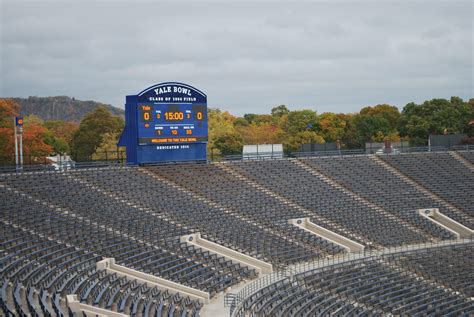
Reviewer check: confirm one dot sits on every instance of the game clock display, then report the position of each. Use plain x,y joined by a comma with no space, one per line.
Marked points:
171,123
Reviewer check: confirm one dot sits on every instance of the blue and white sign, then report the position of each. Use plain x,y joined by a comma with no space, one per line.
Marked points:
19,121
166,122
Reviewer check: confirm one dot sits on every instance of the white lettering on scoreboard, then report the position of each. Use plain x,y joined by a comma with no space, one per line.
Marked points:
175,89
172,147
173,99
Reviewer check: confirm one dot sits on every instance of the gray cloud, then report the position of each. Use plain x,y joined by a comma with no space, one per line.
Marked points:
248,57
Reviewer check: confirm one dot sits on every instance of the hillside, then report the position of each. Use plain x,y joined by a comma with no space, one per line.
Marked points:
61,108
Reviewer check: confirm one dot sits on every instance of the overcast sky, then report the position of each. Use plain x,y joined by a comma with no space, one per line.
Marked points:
247,57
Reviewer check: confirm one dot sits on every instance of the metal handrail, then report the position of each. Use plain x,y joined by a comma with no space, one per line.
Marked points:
238,158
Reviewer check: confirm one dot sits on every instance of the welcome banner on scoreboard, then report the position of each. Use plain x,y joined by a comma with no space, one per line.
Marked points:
166,114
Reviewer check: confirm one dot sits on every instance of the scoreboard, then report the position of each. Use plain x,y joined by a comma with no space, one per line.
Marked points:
171,123
165,122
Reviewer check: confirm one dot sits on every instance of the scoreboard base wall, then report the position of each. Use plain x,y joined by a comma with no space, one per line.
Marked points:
171,153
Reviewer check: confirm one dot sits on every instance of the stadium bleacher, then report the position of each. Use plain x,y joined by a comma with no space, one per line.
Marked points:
363,176
450,266
467,155
297,184
55,227
240,198
41,271
187,209
175,261
370,286
443,175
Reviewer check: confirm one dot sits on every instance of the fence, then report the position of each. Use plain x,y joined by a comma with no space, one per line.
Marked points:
329,153
394,152
315,147
446,140
36,163
373,147
308,266
254,287
290,271
106,158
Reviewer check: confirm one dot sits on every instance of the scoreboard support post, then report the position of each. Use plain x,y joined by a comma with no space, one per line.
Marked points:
166,122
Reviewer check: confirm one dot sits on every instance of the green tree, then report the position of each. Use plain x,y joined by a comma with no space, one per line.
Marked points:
376,123
435,117
250,117
58,135
229,143
294,142
469,130
220,123
280,111
33,119
91,132
62,129
241,122
58,144
388,112
264,119
107,149
351,138
333,126
302,120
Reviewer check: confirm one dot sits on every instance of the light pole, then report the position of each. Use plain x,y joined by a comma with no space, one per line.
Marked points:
19,126
16,144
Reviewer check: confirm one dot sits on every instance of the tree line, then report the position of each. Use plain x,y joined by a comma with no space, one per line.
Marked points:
89,140
98,132
228,133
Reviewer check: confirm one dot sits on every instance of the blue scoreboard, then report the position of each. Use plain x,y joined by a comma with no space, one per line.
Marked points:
165,122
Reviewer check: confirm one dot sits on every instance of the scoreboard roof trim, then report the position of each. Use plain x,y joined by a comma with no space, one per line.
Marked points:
171,83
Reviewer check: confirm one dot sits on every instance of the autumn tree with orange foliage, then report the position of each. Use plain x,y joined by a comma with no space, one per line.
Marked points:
8,110
60,134
62,129
34,148
265,133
